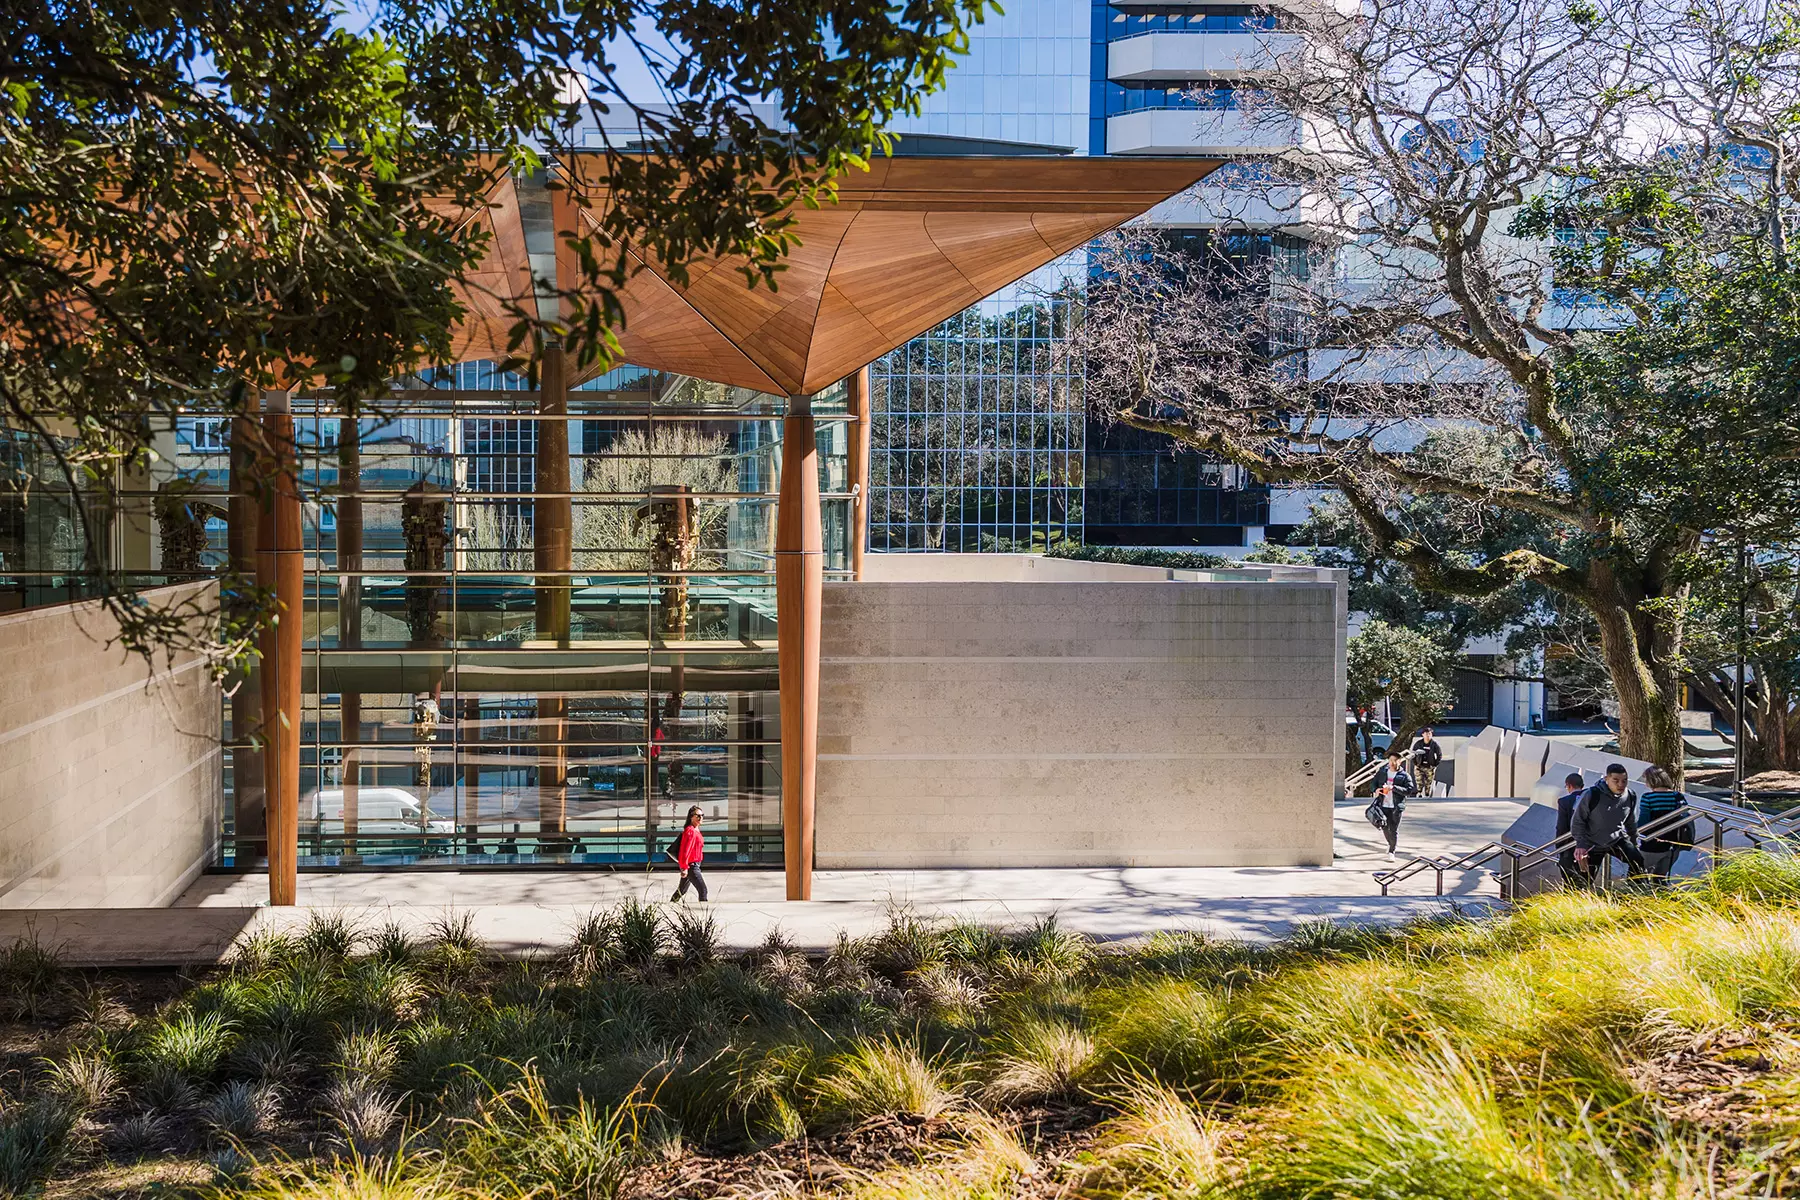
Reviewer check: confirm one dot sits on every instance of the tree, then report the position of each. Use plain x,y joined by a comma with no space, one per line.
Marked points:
207,199
1497,189
1390,662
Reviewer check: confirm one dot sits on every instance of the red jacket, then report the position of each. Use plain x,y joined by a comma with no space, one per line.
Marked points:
689,850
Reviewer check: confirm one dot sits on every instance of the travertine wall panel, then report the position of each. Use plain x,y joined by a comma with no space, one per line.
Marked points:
109,775
1174,719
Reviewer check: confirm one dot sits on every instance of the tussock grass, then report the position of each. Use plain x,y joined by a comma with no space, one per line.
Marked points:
1578,1046
875,1078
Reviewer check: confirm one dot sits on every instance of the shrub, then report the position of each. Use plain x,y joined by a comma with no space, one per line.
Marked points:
881,1078
166,1089
33,1137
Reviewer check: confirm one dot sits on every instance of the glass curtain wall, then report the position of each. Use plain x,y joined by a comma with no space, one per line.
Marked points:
977,433
465,704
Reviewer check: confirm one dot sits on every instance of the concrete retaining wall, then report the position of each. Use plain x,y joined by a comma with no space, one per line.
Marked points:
109,782
1051,715
1504,762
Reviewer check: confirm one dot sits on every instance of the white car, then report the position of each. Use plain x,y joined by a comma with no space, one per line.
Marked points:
378,810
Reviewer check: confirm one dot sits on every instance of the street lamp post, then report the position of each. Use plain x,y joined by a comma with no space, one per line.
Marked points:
1737,702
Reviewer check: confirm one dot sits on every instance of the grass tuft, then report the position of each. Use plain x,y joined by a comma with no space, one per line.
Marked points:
363,1111
241,1110
696,938
876,1078
33,1139
83,1081
641,932
30,978
1040,1058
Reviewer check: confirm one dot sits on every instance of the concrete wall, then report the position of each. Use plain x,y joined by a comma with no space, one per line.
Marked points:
1032,712
1504,762
109,775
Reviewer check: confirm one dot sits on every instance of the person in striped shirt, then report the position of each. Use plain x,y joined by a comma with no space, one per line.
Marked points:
1661,801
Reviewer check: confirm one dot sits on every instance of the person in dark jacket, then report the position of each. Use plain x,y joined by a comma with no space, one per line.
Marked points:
1392,785
1573,786
1427,755
1661,803
688,853
1604,823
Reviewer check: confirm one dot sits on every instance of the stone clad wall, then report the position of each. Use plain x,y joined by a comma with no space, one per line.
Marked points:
109,789
1042,720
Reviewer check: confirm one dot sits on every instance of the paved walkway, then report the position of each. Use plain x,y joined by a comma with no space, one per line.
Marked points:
528,912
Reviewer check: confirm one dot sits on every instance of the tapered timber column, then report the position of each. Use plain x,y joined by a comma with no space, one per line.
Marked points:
861,427
243,514
799,597
280,568
552,542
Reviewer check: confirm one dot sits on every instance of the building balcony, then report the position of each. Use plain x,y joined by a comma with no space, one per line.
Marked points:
1222,133
1191,54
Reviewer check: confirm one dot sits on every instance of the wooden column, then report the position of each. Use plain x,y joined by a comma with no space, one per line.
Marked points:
799,597
243,513
280,568
861,427
552,542
349,561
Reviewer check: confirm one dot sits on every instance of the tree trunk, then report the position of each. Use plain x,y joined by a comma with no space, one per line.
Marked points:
1649,706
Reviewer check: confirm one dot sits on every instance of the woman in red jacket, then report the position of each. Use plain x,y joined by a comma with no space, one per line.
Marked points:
688,853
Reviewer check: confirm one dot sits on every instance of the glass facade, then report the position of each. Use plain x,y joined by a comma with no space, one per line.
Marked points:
1025,79
978,438
478,725
977,433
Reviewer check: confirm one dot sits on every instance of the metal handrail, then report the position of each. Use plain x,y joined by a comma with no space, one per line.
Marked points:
1723,817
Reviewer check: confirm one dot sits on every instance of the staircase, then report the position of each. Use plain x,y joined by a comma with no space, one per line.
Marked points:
1524,870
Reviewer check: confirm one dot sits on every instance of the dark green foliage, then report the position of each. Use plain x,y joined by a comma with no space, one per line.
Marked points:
30,972
1138,556
641,933
33,1138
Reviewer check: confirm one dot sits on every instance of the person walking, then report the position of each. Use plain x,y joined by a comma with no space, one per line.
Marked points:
689,850
1427,754
1659,803
1392,785
1605,824
1573,786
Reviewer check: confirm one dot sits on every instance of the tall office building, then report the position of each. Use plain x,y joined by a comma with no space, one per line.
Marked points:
980,436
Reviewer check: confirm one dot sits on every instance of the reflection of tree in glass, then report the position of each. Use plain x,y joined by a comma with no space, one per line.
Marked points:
422,520
633,468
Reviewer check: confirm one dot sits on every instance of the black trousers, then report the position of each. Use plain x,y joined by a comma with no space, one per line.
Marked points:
1624,851
692,875
1390,826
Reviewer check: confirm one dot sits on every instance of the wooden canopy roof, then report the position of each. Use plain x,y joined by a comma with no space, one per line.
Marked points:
910,243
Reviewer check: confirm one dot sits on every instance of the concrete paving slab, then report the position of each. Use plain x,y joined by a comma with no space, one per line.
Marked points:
534,912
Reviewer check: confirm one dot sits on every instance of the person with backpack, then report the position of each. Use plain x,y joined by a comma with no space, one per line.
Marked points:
1660,803
689,850
1427,756
1605,824
1573,786
1392,785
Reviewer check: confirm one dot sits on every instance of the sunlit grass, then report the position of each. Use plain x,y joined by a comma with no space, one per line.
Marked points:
1506,1056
